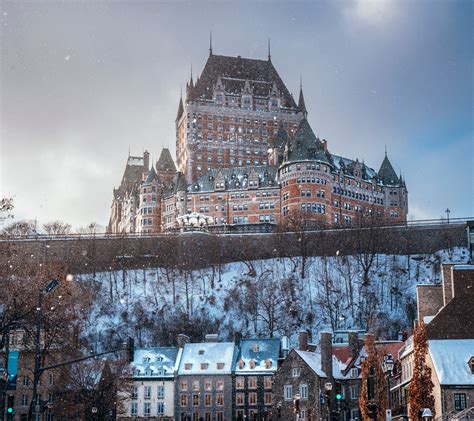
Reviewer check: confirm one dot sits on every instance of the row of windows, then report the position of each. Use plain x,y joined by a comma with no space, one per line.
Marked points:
198,417
160,392
196,399
218,117
252,382
308,193
355,195
299,167
313,208
160,409
204,366
266,218
252,398
147,221
196,385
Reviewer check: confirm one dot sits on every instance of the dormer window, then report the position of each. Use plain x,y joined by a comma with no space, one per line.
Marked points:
204,366
268,363
146,359
354,373
201,352
159,359
220,366
188,366
241,364
471,364
252,363
255,348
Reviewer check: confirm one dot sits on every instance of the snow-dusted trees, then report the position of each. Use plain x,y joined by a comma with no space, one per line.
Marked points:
420,390
373,391
26,227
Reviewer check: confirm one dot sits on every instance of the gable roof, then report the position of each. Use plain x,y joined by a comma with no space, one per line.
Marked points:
234,71
450,359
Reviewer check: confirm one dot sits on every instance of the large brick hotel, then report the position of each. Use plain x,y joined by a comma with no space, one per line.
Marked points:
246,154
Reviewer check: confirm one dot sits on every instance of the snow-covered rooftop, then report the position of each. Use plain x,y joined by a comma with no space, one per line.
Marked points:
154,362
207,358
450,358
258,355
313,359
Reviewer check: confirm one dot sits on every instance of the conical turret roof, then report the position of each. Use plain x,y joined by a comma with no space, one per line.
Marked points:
165,163
387,174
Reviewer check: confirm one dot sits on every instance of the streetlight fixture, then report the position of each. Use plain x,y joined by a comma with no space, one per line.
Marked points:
427,415
36,375
447,211
387,368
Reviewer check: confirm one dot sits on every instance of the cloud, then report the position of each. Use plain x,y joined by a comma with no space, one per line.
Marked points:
371,12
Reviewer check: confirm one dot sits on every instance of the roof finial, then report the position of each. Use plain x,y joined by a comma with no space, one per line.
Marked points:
385,150
191,80
210,42
269,55
129,151
301,83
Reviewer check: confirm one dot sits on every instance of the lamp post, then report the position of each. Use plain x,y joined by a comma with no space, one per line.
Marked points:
36,375
426,414
447,211
387,367
328,388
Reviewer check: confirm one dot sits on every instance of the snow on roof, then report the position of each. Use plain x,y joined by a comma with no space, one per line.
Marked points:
207,358
313,359
261,354
450,358
427,319
154,362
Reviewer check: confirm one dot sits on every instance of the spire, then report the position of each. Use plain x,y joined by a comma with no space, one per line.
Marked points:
180,106
269,54
210,43
301,103
191,80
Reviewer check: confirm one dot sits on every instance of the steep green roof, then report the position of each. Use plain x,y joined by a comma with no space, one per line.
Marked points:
165,163
387,174
305,145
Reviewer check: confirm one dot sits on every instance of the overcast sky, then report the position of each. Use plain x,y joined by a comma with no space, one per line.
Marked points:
81,82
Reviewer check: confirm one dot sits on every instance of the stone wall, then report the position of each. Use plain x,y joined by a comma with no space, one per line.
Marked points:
196,250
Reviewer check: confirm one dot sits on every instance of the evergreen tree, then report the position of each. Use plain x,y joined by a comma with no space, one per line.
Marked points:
373,389
420,391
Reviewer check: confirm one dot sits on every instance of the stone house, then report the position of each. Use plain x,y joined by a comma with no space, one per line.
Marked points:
256,363
152,390
203,383
446,310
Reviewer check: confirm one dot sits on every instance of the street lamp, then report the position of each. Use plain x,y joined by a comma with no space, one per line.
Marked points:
427,415
36,375
328,388
448,211
387,368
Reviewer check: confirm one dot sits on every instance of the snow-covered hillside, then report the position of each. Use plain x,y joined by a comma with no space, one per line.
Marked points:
264,298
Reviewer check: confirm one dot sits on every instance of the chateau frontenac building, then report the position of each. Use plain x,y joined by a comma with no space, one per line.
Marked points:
246,154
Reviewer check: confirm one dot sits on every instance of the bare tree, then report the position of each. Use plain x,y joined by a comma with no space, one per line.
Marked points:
57,228
26,227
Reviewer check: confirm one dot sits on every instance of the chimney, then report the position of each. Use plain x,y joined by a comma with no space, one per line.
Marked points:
354,344
463,282
146,160
447,281
211,337
303,340
182,339
326,353
429,300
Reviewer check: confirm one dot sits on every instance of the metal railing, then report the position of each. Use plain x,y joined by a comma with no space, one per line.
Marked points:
229,229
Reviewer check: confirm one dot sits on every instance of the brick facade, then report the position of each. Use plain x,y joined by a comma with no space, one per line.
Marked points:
240,137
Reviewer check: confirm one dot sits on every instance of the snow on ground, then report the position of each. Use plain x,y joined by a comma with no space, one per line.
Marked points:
267,297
